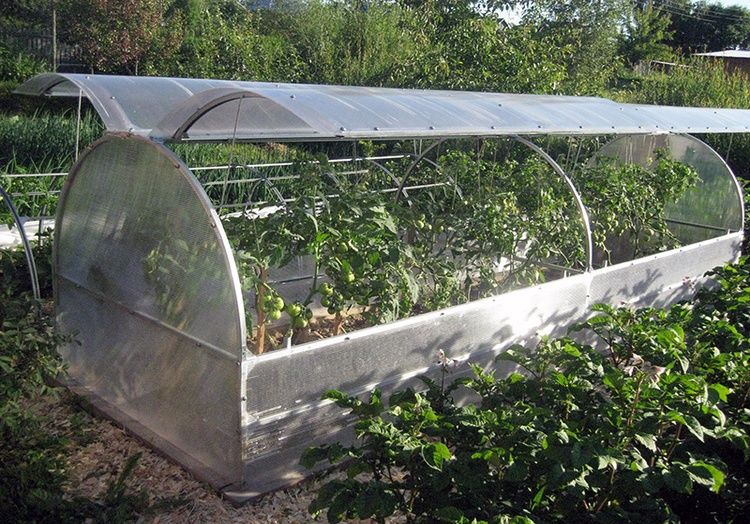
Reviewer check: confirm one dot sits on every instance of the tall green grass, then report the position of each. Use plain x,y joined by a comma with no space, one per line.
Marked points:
44,141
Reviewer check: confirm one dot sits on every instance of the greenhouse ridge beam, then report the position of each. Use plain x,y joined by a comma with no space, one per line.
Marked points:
182,109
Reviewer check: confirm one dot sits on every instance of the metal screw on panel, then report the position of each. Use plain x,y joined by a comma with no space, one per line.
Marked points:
342,129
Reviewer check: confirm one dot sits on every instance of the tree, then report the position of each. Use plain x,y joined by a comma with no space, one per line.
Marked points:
586,33
26,14
116,35
703,26
645,35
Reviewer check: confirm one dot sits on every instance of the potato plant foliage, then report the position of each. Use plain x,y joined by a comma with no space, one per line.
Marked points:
481,222
650,423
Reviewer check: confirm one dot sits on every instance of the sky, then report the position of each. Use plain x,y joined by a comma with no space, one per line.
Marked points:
514,15
741,3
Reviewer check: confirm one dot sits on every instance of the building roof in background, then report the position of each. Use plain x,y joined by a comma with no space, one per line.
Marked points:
729,53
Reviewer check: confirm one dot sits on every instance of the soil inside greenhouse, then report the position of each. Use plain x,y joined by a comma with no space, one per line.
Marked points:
98,450
319,329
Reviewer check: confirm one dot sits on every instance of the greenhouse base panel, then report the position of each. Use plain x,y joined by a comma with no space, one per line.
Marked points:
282,413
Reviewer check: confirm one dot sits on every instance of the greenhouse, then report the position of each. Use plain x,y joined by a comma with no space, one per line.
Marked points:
350,235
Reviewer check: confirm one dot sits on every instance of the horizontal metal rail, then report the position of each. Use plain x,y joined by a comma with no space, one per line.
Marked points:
33,175
270,178
288,164
223,353
36,193
332,195
700,226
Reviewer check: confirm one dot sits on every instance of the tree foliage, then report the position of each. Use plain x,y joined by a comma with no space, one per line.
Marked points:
646,34
706,26
115,36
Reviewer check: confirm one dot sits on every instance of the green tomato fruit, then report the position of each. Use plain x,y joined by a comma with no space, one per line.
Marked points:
325,301
294,310
326,289
332,310
308,314
341,247
349,277
274,314
299,322
278,303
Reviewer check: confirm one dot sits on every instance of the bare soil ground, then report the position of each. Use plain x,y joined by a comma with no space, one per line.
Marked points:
99,449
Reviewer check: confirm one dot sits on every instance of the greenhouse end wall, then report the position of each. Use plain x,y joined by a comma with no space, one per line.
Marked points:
144,280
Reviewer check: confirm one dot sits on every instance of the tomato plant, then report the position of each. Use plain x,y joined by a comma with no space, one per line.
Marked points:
627,203
365,258
271,237
470,224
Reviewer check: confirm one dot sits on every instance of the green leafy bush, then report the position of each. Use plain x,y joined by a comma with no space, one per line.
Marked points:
17,66
32,461
651,422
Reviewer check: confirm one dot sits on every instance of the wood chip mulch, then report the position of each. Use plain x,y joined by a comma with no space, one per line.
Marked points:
99,450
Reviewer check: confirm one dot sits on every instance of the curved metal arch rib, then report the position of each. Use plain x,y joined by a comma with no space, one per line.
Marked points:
176,124
26,244
413,165
735,181
576,195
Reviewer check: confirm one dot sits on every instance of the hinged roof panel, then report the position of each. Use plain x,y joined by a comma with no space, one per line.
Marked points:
178,109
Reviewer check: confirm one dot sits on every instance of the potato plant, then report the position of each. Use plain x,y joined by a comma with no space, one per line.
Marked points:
652,424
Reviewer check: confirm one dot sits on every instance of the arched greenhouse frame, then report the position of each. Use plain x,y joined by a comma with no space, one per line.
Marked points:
162,342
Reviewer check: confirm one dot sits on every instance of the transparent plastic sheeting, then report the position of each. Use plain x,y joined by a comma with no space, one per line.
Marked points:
710,209
202,109
145,280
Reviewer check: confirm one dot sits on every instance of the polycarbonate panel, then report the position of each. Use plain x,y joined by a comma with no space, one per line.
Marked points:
663,278
165,382
144,276
713,207
134,229
249,116
140,104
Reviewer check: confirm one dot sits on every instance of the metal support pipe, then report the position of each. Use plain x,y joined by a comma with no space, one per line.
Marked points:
576,195
26,244
418,158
